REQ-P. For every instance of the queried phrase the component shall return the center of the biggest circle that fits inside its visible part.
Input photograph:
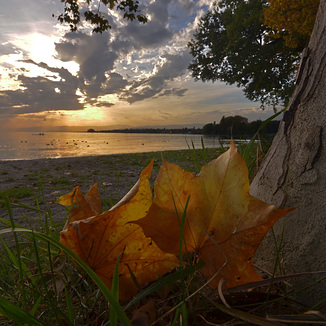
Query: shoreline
(86, 156)
(48, 179)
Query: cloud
(7, 48)
(174, 66)
(37, 94)
(173, 92)
(91, 52)
(103, 58)
(156, 31)
(19, 17)
(136, 68)
(115, 83)
(121, 61)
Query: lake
(28, 145)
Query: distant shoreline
(186, 131)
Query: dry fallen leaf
(81, 207)
(145, 315)
(99, 239)
(224, 224)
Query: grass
(40, 284)
(183, 158)
(15, 194)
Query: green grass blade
(221, 144)
(204, 149)
(13, 258)
(184, 314)
(10, 223)
(38, 264)
(20, 266)
(277, 262)
(176, 317)
(249, 147)
(29, 207)
(70, 309)
(193, 155)
(19, 316)
(106, 292)
(36, 305)
(115, 292)
(166, 281)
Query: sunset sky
(134, 75)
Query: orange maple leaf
(99, 238)
(224, 224)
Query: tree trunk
(293, 174)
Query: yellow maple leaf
(99, 238)
(224, 224)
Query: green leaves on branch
(232, 45)
(72, 13)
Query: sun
(87, 116)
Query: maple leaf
(98, 238)
(81, 207)
(224, 224)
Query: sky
(133, 75)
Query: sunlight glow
(86, 116)
(41, 49)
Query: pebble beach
(45, 180)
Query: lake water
(28, 145)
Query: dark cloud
(37, 94)
(156, 31)
(91, 52)
(173, 92)
(96, 60)
(99, 54)
(174, 66)
(103, 104)
(114, 84)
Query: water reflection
(27, 145)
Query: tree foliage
(72, 13)
(238, 126)
(291, 20)
(232, 44)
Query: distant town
(237, 126)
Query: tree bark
(293, 174)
